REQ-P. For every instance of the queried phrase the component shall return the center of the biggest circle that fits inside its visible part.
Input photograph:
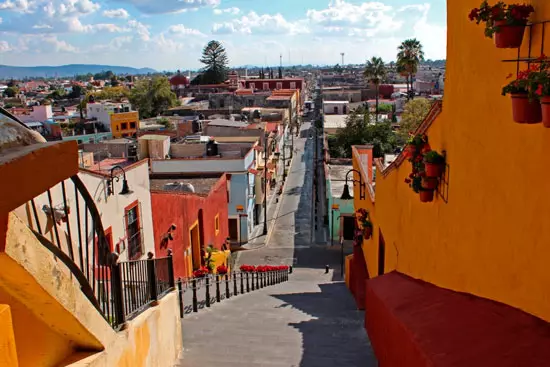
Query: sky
(170, 34)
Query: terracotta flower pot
(426, 196)
(508, 36)
(545, 105)
(433, 170)
(429, 183)
(367, 232)
(525, 111)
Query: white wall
(197, 165)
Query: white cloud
(141, 29)
(20, 6)
(42, 26)
(52, 43)
(232, 10)
(180, 29)
(71, 7)
(116, 13)
(260, 24)
(5, 46)
(170, 6)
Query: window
(222, 103)
(252, 86)
(217, 223)
(279, 85)
(132, 125)
(292, 85)
(266, 86)
(124, 126)
(133, 231)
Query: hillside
(19, 72)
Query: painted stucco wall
(54, 322)
(173, 166)
(345, 207)
(491, 238)
(238, 195)
(182, 209)
(8, 354)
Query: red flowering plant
(529, 81)
(247, 268)
(221, 269)
(540, 77)
(362, 216)
(512, 14)
(201, 272)
(416, 156)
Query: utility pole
(342, 54)
(265, 183)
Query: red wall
(182, 209)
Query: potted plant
(429, 183)
(221, 270)
(366, 224)
(525, 105)
(200, 272)
(434, 163)
(541, 86)
(426, 195)
(416, 144)
(506, 22)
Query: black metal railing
(67, 222)
(198, 293)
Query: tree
(375, 71)
(359, 131)
(338, 69)
(114, 81)
(76, 92)
(414, 113)
(11, 92)
(408, 59)
(215, 60)
(152, 97)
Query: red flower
(407, 181)
(222, 269)
(426, 148)
(411, 175)
(474, 14)
(539, 90)
(509, 76)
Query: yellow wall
(220, 258)
(8, 354)
(492, 237)
(124, 117)
(347, 273)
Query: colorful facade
(485, 233)
(124, 124)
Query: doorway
(336, 110)
(381, 254)
(195, 245)
(348, 229)
(233, 229)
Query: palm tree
(375, 71)
(409, 57)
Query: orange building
(124, 124)
(463, 280)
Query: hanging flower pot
(508, 36)
(434, 163)
(429, 183)
(526, 111)
(545, 106)
(426, 196)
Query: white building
(336, 107)
(39, 113)
(102, 111)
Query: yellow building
(464, 280)
(124, 124)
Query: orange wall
(492, 237)
(8, 354)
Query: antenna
(342, 54)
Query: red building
(274, 84)
(188, 215)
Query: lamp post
(334, 208)
(113, 177)
(346, 195)
(266, 136)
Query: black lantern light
(116, 177)
(346, 194)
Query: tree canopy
(414, 113)
(215, 59)
(409, 57)
(152, 97)
(360, 130)
(10, 92)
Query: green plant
(524, 82)
(434, 157)
(209, 262)
(513, 14)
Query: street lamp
(240, 210)
(334, 208)
(116, 177)
(346, 195)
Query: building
(118, 118)
(190, 214)
(40, 113)
(462, 280)
(336, 107)
(57, 307)
(341, 219)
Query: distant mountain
(19, 72)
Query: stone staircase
(309, 321)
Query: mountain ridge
(16, 72)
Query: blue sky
(169, 34)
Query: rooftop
(201, 185)
(337, 176)
(228, 123)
